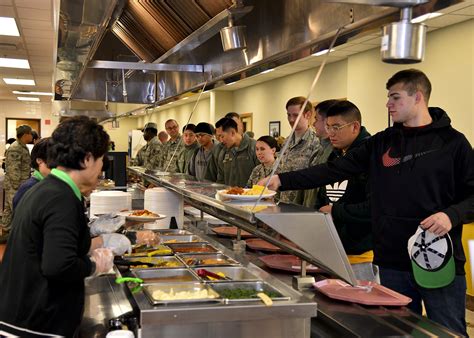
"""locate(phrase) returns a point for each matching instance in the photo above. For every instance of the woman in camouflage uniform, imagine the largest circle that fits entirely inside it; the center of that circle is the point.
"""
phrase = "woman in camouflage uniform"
(266, 148)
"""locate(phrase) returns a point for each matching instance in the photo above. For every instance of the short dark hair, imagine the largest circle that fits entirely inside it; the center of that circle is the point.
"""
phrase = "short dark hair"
(299, 100)
(22, 130)
(35, 135)
(346, 109)
(272, 143)
(11, 140)
(73, 140)
(189, 126)
(229, 124)
(232, 114)
(221, 122)
(40, 150)
(412, 80)
(322, 107)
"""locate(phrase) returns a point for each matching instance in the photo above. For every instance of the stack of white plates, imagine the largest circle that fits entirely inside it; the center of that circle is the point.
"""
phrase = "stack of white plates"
(103, 202)
(165, 202)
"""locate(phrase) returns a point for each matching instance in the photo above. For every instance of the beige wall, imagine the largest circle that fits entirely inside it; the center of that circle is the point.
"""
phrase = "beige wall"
(120, 135)
(34, 110)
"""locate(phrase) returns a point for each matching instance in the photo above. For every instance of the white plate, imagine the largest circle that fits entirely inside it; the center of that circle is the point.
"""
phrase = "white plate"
(129, 217)
(245, 197)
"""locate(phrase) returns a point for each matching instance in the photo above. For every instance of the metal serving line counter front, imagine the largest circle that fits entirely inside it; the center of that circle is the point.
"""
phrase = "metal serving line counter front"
(330, 318)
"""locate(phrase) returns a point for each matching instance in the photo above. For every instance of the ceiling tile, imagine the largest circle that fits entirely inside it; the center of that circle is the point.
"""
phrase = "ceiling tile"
(6, 3)
(38, 4)
(36, 24)
(32, 34)
(36, 14)
(7, 11)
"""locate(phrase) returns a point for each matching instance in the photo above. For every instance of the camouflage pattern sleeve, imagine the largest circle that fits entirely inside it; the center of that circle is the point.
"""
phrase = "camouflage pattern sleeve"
(17, 165)
(153, 153)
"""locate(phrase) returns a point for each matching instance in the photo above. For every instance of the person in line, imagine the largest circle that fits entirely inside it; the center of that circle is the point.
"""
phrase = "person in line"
(421, 173)
(172, 148)
(319, 124)
(238, 158)
(236, 117)
(304, 144)
(190, 147)
(348, 201)
(163, 136)
(35, 137)
(154, 148)
(7, 145)
(265, 149)
(202, 157)
(49, 253)
(17, 171)
(216, 159)
(39, 164)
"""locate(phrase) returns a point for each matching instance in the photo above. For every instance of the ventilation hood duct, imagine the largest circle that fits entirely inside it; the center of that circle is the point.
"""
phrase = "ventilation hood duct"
(165, 39)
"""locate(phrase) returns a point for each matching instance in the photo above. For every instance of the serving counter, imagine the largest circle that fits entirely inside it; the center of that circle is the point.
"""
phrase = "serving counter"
(285, 318)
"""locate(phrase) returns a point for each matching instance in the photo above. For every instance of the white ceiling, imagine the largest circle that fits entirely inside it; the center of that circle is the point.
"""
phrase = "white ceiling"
(34, 19)
(36, 43)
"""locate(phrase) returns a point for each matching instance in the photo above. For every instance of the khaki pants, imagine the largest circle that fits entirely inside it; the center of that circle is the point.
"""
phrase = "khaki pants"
(8, 209)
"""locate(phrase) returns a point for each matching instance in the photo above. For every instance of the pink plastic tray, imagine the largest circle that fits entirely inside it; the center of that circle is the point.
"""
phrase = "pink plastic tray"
(261, 245)
(231, 232)
(286, 263)
(368, 293)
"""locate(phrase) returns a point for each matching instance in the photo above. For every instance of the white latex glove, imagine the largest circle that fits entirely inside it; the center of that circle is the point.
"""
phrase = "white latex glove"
(147, 237)
(118, 243)
(274, 184)
(104, 260)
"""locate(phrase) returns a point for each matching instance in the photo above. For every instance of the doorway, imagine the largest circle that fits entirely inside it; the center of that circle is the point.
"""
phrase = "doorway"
(12, 123)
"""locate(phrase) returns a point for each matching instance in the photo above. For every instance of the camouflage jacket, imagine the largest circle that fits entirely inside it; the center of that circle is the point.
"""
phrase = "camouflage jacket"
(17, 165)
(153, 151)
(214, 163)
(238, 163)
(185, 157)
(298, 156)
(258, 173)
(168, 150)
(140, 158)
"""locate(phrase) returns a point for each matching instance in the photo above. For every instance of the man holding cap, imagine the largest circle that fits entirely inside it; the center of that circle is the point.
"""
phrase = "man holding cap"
(421, 174)
(150, 156)
(17, 171)
(202, 157)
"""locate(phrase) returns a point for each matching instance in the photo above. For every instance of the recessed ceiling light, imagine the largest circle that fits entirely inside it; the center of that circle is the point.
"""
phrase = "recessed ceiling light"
(22, 98)
(24, 82)
(20, 92)
(267, 71)
(425, 17)
(231, 83)
(14, 63)
(8, 26)
(322, 52)
(185, 98)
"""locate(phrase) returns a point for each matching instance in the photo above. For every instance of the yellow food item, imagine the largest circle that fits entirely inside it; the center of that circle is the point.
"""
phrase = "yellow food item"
(171, 241)
(160, 251)
(256, 190)
(172, 295)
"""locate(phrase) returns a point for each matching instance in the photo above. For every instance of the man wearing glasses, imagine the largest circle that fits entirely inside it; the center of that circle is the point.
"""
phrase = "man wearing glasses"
(172, 148)
(421, 174)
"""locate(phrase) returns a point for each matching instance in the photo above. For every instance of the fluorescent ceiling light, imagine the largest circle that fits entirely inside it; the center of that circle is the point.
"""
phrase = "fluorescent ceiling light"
(230, 83)
(425, 17)
(14, 63)
(25, 82)
(32, 93)
(185, 98)
(267, 71)
(23, 98)
(8, 26)
(322, 52)
(170, 102)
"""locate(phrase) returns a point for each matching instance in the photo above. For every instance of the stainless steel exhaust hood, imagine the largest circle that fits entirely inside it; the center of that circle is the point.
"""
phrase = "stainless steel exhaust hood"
(186, 33)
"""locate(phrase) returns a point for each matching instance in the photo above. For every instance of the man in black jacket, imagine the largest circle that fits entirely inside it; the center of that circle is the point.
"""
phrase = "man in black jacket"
(421, 172)
(348, 200)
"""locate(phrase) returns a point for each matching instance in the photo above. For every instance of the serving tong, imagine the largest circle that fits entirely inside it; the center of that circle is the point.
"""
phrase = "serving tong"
(203, 273)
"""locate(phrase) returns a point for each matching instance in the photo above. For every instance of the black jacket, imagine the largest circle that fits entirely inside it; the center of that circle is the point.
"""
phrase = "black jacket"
(351, 211)
(413, 173)
(45, 263)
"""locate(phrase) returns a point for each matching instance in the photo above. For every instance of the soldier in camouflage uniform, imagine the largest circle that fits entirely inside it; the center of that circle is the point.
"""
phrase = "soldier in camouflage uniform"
(265, 149)
(154, 148)
(172, 148)
(190, 148)
(140, 158)
(304, 144)
(17, 170)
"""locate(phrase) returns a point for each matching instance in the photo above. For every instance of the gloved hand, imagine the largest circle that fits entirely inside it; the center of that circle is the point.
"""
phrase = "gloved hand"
(106, 224)
(147, 237)
(118, 243)
(104, 260)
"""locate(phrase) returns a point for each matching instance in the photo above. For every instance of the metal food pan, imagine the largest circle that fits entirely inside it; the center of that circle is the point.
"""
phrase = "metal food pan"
(159, 261)
(194, 248)
(172, 232)
(235, 273)
(260, 286)
(178, 275)
(150, 291)
(178, 239)
(166, 251)
(204, 260)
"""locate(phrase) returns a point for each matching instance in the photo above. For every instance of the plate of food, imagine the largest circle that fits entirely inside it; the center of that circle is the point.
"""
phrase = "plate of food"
(243, 194)
(142, 215)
